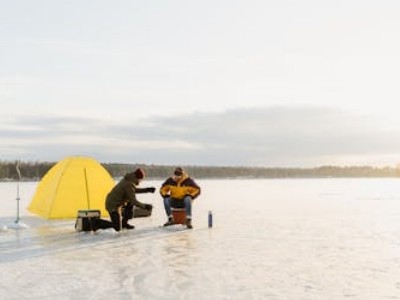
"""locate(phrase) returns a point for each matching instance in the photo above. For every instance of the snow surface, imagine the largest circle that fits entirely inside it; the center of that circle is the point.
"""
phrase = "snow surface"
(272, 239)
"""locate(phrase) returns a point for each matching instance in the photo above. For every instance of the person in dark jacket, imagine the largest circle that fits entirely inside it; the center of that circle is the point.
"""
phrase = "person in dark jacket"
(123, 197)
(179, 191)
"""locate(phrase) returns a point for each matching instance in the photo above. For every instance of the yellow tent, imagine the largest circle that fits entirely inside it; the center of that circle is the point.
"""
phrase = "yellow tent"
(74, 183)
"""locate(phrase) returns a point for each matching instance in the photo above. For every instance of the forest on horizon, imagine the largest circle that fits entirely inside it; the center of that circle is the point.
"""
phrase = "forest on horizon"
(34, 171)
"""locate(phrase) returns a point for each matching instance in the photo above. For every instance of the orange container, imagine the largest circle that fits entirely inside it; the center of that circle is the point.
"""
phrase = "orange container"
(179, 215)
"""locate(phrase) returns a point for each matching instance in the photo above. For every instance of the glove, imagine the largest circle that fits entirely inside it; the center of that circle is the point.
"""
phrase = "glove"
(148, 207)
(151, 189)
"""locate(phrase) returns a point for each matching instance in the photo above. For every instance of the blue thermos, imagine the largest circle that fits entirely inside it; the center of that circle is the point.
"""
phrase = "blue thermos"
(210, 219)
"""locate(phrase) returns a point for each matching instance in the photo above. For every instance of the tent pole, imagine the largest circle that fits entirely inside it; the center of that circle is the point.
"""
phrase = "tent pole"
(87, 189)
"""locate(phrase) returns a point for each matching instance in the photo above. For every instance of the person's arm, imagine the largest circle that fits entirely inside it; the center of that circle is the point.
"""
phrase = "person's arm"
(145, 190)
(165, 188)
(192, 188)
(131, 195)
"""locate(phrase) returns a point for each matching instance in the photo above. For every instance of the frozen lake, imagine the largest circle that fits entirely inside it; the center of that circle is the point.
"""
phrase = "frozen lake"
(272, 239)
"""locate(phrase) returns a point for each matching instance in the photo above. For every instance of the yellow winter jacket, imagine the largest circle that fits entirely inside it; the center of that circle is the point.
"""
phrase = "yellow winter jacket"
(185, 186)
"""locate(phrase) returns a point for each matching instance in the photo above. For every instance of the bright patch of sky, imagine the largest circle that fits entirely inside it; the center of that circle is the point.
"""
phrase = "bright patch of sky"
(86, 71)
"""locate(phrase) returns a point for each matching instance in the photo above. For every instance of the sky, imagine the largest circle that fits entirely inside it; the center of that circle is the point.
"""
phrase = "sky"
(224, 83)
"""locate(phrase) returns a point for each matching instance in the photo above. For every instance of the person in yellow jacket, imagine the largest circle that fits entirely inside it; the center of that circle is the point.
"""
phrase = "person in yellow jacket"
(179, 191)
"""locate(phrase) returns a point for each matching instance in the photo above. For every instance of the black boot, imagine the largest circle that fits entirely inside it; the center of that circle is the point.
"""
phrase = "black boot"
(169, 222)
(126, 225)
(189, 223)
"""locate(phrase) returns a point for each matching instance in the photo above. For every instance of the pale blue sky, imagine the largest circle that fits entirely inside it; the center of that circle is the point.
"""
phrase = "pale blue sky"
(268, 83)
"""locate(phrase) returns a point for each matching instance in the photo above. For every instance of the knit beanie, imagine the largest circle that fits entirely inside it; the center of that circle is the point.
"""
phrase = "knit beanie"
(178, 171)
(139, 173)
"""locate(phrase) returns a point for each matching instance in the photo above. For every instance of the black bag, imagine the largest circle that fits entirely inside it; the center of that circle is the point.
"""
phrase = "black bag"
(141, 212)
(130, 211)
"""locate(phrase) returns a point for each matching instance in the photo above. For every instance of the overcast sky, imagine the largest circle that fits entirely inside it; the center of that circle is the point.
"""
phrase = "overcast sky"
(219, 82)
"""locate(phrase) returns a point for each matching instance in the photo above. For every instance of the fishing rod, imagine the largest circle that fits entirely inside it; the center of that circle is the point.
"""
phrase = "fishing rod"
(17, 224)
(18, 198)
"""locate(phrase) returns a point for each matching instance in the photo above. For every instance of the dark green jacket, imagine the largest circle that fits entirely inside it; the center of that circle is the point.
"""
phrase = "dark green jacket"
(124, 192)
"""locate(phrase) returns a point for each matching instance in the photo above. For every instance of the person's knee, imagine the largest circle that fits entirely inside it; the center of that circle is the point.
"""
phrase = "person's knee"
(167, 202)
(187, 200)
(127, 212)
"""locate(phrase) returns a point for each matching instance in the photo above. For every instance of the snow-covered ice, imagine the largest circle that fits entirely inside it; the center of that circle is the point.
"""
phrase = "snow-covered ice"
(272, 239)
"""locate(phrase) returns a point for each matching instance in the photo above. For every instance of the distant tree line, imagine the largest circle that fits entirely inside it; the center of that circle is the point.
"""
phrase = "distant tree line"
(36, 170)
(28, 170)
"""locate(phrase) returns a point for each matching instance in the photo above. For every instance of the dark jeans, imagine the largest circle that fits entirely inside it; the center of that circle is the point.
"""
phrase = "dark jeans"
(127, 214)
(175, 203)
(115, 222)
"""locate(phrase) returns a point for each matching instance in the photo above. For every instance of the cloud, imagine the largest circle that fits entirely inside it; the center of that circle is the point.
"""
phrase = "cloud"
(301, 136)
